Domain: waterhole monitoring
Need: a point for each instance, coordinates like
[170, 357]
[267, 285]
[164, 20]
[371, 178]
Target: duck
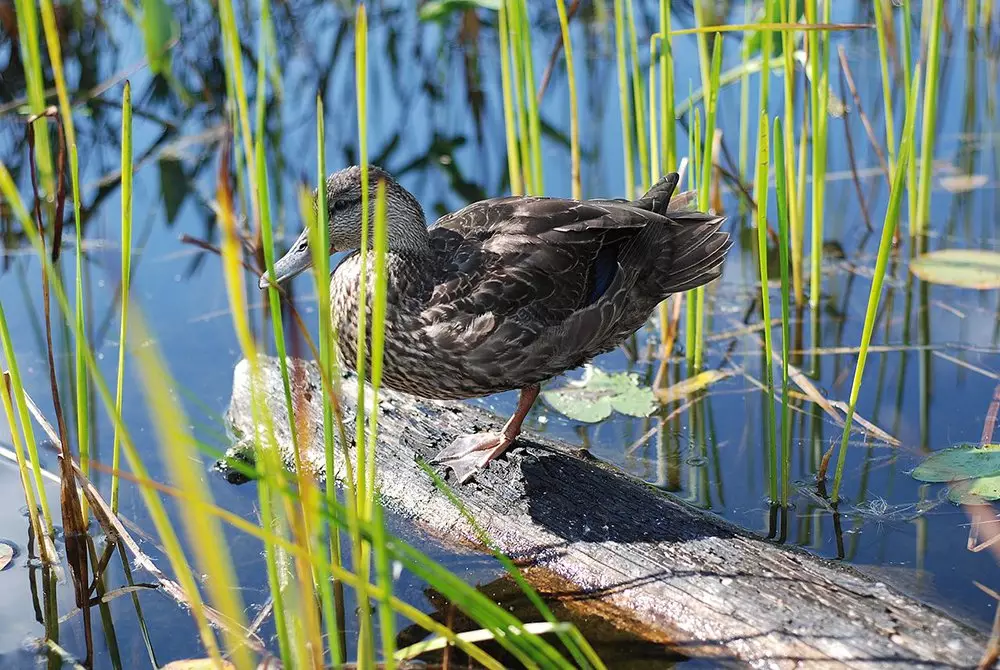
[505, 293]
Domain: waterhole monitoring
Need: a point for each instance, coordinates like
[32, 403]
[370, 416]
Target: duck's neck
[407, 227]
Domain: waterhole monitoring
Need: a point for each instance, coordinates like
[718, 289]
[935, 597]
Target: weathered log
[710, 586]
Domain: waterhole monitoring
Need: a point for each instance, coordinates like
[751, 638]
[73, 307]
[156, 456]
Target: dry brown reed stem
[554, 56]
[861, 112]
[74, 524]
[853, 162]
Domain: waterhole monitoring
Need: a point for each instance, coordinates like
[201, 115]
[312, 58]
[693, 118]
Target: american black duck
[508, 292]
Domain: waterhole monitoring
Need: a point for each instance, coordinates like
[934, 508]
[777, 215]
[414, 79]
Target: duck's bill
[297, 260]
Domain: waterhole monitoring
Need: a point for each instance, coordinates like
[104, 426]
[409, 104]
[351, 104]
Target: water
[436, 122]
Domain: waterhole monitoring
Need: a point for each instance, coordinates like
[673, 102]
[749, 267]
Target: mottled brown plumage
[509, 292]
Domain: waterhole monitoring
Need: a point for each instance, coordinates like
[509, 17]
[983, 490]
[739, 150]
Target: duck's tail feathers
[698, 251]
[657, 199]
[662, 198]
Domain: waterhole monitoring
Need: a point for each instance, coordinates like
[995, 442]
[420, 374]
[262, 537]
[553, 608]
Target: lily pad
[962, 462]
[965, 268]
[6, 555]
[971, 491]
[593, 398]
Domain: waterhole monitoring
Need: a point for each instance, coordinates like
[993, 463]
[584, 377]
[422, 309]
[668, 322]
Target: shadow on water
[437, 124]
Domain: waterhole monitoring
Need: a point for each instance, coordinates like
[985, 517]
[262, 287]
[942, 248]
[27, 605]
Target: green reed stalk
[365, 456]
[911, 169]
[760, 195]
[654, 140]
[379, 541]
[126, 281]
[17, 388]
[707, 161]
[788, 49]
[234, 61]
[819, 92]
[637, 101]
[929, 119]
[655, 157]
[784, 239]
[767, 47]
[744, 140]
[361, 86]
[881, 263]
[31, 56]
[800, 182]
[81, 382]
[667, 114]
[623, 100]
[307, 487]
[574, 122]
[534, 122]
[691, 313]
[881, 21]
[513, 157]
[702, 39]
[514, 38]
[319, 241]
[27, 487]
[265, 493]
[705, 187]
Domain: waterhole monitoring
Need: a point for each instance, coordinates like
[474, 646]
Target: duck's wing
[508, 268]
[524, 288]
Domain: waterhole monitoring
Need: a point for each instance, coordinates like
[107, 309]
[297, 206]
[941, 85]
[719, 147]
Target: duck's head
[407, 229]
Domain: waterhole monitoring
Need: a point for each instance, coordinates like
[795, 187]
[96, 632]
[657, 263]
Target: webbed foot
[470, 453]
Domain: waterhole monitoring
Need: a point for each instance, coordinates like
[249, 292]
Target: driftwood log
[710, 587]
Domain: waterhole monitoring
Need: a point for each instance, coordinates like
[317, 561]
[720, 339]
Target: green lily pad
[965, 461]
[973, 491]
[593, 398]
[965, 268]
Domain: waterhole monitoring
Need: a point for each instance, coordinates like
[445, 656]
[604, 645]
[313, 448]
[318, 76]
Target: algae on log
[713, 588]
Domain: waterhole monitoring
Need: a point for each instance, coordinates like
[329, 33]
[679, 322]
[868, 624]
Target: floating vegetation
[598, 394]
[972, 472]
[964, 268]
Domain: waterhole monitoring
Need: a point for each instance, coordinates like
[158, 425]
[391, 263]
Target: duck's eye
[340, 205]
